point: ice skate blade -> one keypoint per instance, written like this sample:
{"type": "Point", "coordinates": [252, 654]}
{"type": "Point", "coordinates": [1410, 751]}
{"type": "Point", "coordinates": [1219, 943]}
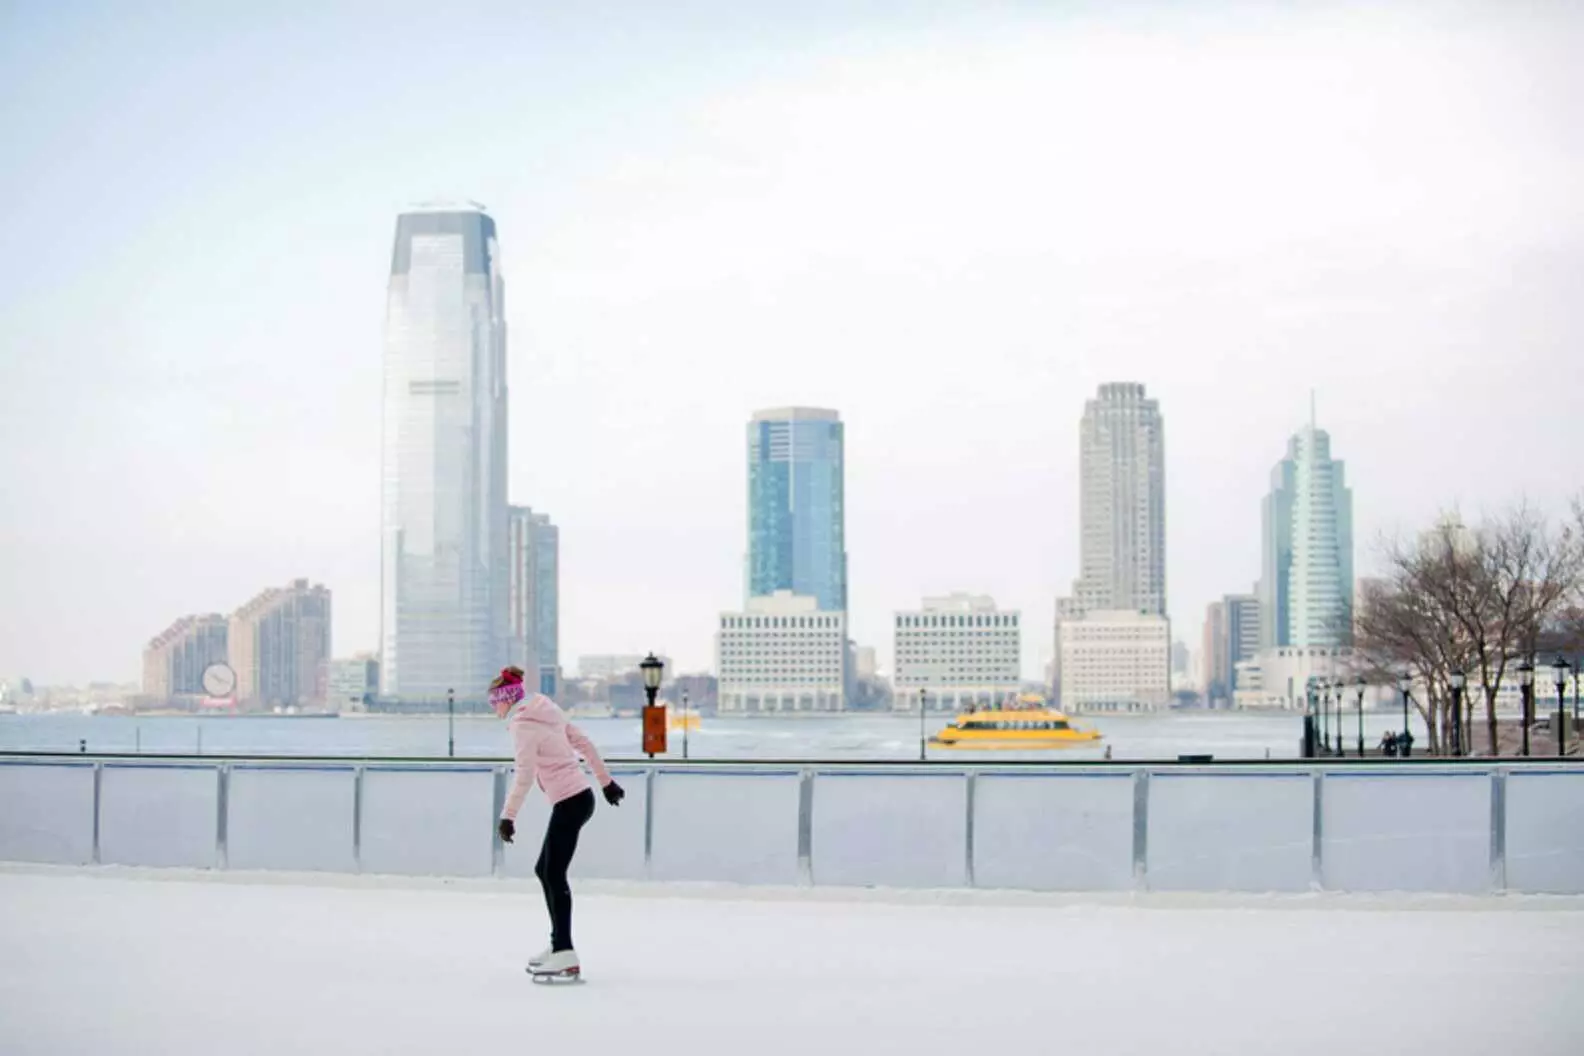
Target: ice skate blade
{"type": "Point", "coordinates": [556, 978]}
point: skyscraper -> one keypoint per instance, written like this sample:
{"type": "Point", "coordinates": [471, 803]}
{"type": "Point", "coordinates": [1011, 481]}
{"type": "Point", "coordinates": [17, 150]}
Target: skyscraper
{"type": "Point", "coordinates": [1122, 549]}
{"type": "Point", "coordinates": [1122, 504]}
{"type": "Point", "coordinates": [1306, 576]}
{"type": "Point", "coordinates": [522, 585]}
{"type": "Point", "coordinates": [547, 594]}
{"type": "Point", "coordinates": [534, 545]}
{"type": "Point", "coordinates": [443, 572]}
{"type": "Point", "coordinates": [796, 519]}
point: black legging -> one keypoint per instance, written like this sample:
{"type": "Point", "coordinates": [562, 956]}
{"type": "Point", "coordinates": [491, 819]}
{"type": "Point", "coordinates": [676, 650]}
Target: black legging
{"type": "Point", "coordinates": [567, 819]}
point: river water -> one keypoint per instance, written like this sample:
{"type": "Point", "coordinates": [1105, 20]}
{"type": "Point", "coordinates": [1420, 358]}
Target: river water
{"type": "Point", "coordinates": [1223, 735]}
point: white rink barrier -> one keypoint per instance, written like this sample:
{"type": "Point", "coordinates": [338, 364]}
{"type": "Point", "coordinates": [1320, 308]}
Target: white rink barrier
{"type": "Point", "coordinates": [1424, 827]}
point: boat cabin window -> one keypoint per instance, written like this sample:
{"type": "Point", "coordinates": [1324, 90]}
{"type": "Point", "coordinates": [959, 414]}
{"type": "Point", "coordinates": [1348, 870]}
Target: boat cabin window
{"type": "Point", "coordinates": [1003, 724]}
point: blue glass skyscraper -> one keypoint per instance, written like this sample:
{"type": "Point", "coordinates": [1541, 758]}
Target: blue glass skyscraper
{"type": "Point", "coordinates": [1306, 583]}
{"type": "Point", "coordinates": [796, 511]}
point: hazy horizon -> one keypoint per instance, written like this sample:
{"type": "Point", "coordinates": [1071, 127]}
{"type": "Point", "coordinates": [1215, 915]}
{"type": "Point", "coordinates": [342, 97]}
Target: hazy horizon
{"type": "Point", "coordinates": [950, 228]}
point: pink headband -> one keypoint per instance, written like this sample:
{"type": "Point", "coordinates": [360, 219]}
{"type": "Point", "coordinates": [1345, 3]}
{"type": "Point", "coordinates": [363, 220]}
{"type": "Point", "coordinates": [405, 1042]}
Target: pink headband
{"type": "Point", "coordinates": [507, 695]}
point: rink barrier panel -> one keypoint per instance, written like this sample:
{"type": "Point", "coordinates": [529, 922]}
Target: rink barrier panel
{"type": "Point", "coordinates": [1465, 827]}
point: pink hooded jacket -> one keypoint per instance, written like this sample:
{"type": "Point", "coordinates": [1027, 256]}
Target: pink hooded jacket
{"type": "Point", "coordinates": [547, 748]}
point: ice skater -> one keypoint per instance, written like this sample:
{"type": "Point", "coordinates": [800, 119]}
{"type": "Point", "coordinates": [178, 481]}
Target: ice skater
{"type": "Point", "coordinates": [547, 747]}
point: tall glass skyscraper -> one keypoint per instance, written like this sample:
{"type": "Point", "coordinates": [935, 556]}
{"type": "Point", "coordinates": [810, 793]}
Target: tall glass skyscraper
{"type": "Point", "coordinates": [444, 572]}
{"type": "Point", "coordinates": [1306, 575]}
{"type": "Point", "coordinates": [796, 514]}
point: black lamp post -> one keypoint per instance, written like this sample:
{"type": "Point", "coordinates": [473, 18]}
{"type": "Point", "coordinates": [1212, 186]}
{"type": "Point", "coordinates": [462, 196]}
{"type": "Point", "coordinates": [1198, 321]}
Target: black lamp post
{"type": "Point", "coordinates": [1405, 684]}
{"type": "Point", "coordinates": [1309, 720]}
{"type": "Point", "coordinates": [685, 721]}
{"type": "Point", "coordinates": [1458, 680]}
{"type": "Point", "coordinates": [1362, 686]}
{"type": "Point", "coordinates": [1526, 693]}
{"type": "Point", "coordinates": [653, 671]}
{"type": "Point", "coordinates": [1325, 717]}
{"type": "Point", "coordinates": [1559, 670]}
{"type": "Point", "coordinates": [1338, 685]}
{"type": "Point", "coordinates": [921, 724]}
{"type": "Point", "coordinates": [450, 723]}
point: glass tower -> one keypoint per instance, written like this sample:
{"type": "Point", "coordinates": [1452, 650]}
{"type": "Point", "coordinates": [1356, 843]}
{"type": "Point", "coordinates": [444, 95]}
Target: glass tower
{"type": "Point", "coordinates": [1306, 582]}
{"type": "Point", "coordinates": [444, 572]}
{"type": "Point", "coordinates": [796, 520]}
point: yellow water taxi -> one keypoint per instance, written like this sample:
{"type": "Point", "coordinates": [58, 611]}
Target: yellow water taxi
{"type": "Point", "coordinates": [1016, 729]}
{"type": "Point", "coordinates": [682, 720]}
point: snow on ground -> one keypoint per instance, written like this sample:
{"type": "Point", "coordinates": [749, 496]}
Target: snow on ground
{"type": "Point", "coordinates": [109, 963]}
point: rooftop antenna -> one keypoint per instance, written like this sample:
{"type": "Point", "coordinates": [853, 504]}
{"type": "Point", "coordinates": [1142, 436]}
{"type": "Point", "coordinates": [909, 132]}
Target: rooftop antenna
{"type": "Point", "coordinates": [1312, 418]}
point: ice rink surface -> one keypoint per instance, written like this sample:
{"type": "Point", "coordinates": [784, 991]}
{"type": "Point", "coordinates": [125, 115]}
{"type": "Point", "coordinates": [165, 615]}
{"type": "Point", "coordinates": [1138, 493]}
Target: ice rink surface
{"type": "Point", "coordinates": [112, 963]}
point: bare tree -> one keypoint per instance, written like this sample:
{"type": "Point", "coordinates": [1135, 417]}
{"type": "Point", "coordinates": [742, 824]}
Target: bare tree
{"type": "Point", "coordinates": [1398, 629]}
{"type": "Point", "coordinates": [1471, 600]}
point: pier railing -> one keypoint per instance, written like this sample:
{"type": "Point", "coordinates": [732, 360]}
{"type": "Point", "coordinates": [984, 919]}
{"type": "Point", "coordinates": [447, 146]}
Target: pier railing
{"type": "Point", "coordinates": [1467, 827]}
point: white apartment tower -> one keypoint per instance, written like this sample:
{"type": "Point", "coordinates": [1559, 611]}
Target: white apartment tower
{"type": "Point", "coordinates": [1122, 503]}
{"type": "Point", "coordinates": [1122, 511]}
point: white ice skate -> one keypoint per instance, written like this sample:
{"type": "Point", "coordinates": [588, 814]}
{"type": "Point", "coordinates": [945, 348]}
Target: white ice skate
{"type": "Point", "coordinates": [539, 958]}
{"type": "Point", "coordinates": [558, 967]}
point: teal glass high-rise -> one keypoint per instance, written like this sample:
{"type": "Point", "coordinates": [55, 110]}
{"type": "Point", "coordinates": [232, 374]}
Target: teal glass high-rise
{"type": "Point", "coordinates": [796, 510]}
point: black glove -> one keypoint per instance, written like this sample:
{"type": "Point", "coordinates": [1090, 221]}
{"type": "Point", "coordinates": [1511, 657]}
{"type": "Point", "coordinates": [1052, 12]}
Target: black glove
{"type": "Point", "coordinates": [614, 794]}
{"type": "Point", "coordinates": [508, 829]}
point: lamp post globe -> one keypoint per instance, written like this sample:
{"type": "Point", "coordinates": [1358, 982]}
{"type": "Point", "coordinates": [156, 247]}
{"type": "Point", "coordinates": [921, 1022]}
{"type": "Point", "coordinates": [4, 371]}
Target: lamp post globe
{"type": "Point", "coordinates": [653, 671]}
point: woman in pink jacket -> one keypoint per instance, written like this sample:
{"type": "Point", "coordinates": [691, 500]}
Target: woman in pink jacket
{"type": "Point", "coordinates": [547, 749]}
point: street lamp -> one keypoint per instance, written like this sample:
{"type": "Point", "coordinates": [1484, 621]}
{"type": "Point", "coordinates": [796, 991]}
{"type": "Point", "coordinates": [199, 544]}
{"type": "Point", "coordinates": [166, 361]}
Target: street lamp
{"type": "Point", "coordinates": [1458, 680]}
{"type": "Point", "coordinates": [1405, 684]}
{"type": "Point", "coordinates": [1309, 719]}
{"type": "Point", "coordinates": [685, 722]}
{"type": "Point", "coordinates": [1559, 670]}
{"type": "Point", "coordinates": [1526, 692]}
{"type": "Point", "coordinates": [450, 722]}
{"type": "Point", "coordinates": [1339, 686]}
{"type": "Point", "coordinates": [1325, 717]}
{"type": "Point", "coordinates": [653, 718]}
{"type": "Point", "coordinates": [1363, 684]}
{"type": "Point", "coordinates": [921, 724]}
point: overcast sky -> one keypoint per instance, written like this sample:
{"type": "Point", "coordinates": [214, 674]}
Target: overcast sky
{"type": "Point", "coordinates": [950, 227]}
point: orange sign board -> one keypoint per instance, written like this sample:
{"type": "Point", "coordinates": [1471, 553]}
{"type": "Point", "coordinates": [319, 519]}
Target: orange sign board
{"type": "Point", "coordinates": [654, 729]}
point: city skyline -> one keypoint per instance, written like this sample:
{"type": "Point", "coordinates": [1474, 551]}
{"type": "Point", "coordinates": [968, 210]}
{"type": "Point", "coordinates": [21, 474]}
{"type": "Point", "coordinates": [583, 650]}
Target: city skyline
{"type": "Point", "coordinates": [849, 212]}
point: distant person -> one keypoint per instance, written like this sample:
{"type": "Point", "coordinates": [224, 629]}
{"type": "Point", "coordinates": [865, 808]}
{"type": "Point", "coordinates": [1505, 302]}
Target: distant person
{"type": "Point", "coordinates": [1388, 745]}
{"type": "Point", "coordinates": [547, 747]}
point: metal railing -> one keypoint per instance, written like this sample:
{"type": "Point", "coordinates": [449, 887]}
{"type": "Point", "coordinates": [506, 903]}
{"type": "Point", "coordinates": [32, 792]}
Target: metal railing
{"type": "Point", "coordinates": [1311, 826]}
